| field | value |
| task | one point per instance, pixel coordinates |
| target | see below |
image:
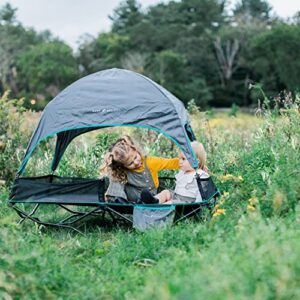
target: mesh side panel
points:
(55, 189)
(209, 189)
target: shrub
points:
(13, 137)
(233, 110)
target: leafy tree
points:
(14, 40)
(171, 43)
(232, 57)
(28, 59)
(198, 90)
(186, 28)
(47, 68)
(276, 59)
(232, 49)
(168, 69)
(187, 18)
(103, 52)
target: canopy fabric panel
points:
(63, 140)
(113, 97)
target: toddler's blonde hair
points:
(200, 153)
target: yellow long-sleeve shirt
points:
(156, 164)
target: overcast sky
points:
(69, 19)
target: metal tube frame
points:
(66, 223)
(101, 210)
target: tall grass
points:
(248, 249)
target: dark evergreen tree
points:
(276, 59)
(251, 10)
(125, 16)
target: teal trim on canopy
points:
(109, 98)
(25, 161)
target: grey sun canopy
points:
(113, 97)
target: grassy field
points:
(249, 248)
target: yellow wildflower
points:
(219, 212)
(253, 201)
(250, 207)
(239, 178)
(226, 177)
(229, 177)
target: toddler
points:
(186, 189)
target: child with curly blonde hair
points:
(130, 171)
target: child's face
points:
(184, 163)
(134, 160)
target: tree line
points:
(197, 49)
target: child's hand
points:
(205, 169)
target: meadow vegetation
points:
(246, 248)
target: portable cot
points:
(109, 98)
